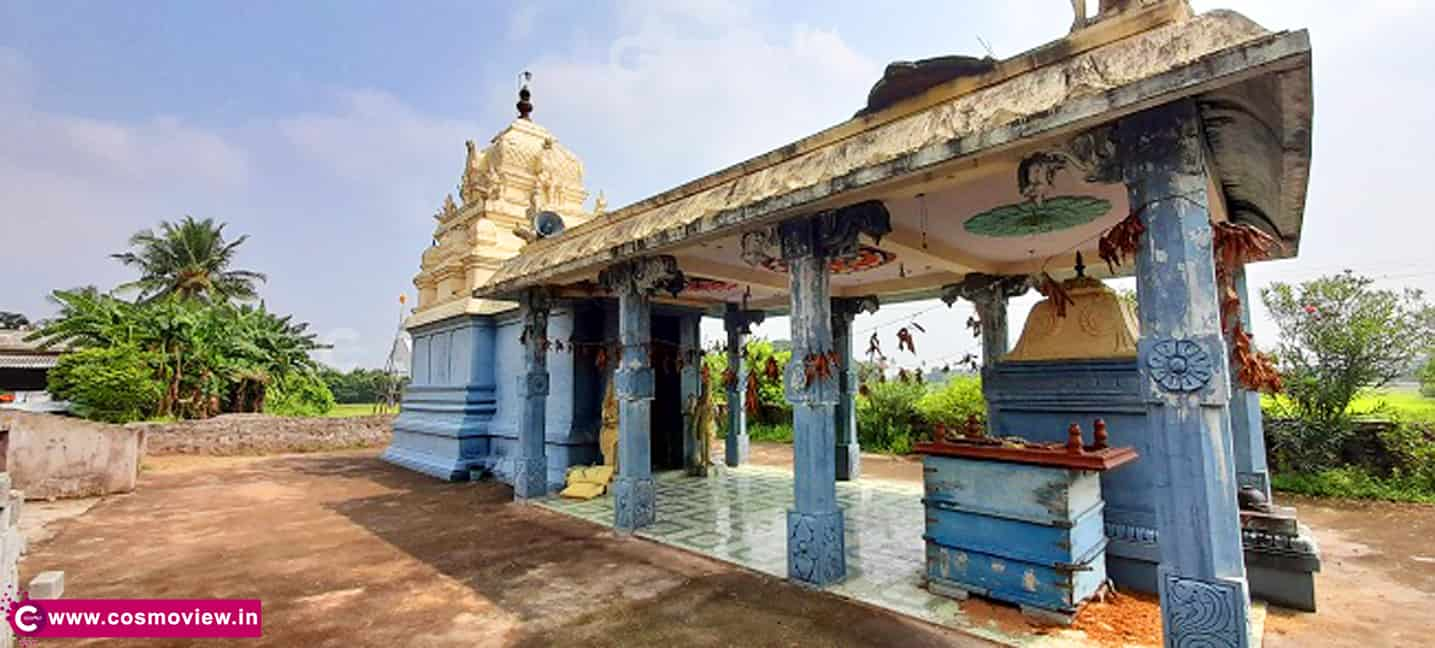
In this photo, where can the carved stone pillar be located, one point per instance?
(989, 295)
(815, 543)
(1182, 357)
(1247, 427)
(738, 324)
(530, 475)
(634, 282)
(849, 452)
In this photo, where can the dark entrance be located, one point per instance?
(667, 411)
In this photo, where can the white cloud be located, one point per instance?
(75, 187)
(684, 90)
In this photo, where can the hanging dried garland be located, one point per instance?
(905, 341)
(1052, 289)
(1122, 240)
(1233, 246)
(874, 348)
(819, 366)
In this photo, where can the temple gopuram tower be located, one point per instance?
(523, 171)
(463, 408)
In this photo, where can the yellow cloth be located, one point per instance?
(587, 482)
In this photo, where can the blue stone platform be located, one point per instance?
(460, 412)
(739, 516)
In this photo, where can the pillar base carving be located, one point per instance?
(530, 477)
(1205, 612)
(816, 548)
(634, 503)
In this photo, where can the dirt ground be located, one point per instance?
(346, 550)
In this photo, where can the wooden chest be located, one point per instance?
(1027, 534)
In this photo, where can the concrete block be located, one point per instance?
(47, 585)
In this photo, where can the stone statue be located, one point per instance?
(525, 230)
(701, 427)
(608, 435)
(1105, 8)
(547, 182)
(600, 205)
(468, 189)
(492, 184)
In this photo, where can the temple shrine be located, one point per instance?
(1149, 142)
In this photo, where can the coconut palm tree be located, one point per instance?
(189, 259)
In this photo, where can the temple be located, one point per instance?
(1143, 142)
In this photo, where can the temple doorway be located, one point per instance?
(667, 410)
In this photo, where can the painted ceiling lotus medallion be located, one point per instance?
(866, 258)
(1032, 217)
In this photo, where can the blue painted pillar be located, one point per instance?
(848, 451)
(989, 295)
(530, 475)
(1247, 427)
(815, 535)
(634, 281)
(738, 324)
(1205, 599)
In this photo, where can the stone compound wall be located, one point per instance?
(261, 434)
(49, 456)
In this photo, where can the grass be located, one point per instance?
(1354, 483)
(1405, 403)
(345, 410)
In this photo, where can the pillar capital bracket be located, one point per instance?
(644, 276)
(846, 308)
(833, 233)
(736, 319)
(981, 288)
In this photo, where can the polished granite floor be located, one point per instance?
(738, 515)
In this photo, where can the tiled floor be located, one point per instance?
(739, 515)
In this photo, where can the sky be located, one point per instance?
(329, 132)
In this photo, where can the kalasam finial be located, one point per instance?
(525, 107)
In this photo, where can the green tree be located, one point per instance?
(209, 358)
(1340, 335)
(190, 259)
(114, 384)
(887, 416)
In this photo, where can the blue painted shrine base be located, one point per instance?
(460, 412)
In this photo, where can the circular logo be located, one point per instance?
(26, 617)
